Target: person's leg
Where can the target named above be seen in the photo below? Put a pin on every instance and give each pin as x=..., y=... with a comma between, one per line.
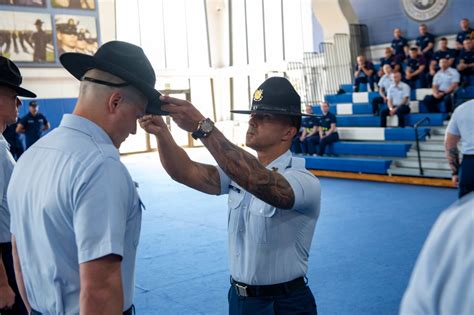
x=295, y=144
x=18, y=308
x=325, y=141
x=448, y=102
x=466, y=176
x=298, y=302
x=402, y=111
x=376, y=102
x=372, y=79
x=383, y=117
x=311, y=143
x=431, y=103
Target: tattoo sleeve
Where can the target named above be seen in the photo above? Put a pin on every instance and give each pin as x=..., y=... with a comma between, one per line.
x=453, y=158
x=243, y=168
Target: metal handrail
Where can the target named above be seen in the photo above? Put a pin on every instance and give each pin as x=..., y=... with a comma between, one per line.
x=417, y=138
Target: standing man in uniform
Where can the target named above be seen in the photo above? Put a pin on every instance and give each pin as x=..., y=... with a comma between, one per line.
x=461, y=129
x=273, y=200
x=425, y=42
x=399, y=45
x=40, y=40
x=77, y=236
x=10, y=81
x=32, y=124
x=398, y=101
x=13, y=139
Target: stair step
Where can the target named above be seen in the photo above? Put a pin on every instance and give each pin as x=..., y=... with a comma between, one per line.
x=431, y=146
x=427, y=154
x=436, y=164
x=438, y=131
x=436, y=138
x=416, y=172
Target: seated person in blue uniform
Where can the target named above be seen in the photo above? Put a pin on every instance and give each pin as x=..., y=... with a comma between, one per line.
x=13, y=139
x=384, y=84
x=308, y=130
x=327, y=130
x=389, y=59
x=466, y=32
x=415, y=70
x=398, y=101
x=32, y=124
x=425, y=42
x=399, y=45
x=364, y=73
x=273, y=202
x=443, y=52
x=466, y=61
x=445, y=83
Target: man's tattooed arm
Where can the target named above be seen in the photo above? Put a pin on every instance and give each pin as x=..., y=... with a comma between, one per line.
x=243, y=168
x=452, y=152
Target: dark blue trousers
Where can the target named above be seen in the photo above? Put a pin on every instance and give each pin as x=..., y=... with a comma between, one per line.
x=298, y=302
x=466, y=175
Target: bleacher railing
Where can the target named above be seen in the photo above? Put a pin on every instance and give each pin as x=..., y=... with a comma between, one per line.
x=417, y=138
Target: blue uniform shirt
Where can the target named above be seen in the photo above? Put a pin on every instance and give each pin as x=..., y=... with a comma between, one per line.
x=415, y=63
x=368, y=65
x=448, y=54
x=6, y=169
x=398, y=46
x=423, y=41
x=388, y=61
x=461, y=125
x=34, y=126
x=325, y=121
x=467, y=56
x=268, y=245
x=397, y=93
x=442, y=280
x=444, y=79
x=308, y=122
x=463, y=34
x=72, y=201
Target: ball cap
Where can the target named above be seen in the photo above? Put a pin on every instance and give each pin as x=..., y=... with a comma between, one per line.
x=275, y=95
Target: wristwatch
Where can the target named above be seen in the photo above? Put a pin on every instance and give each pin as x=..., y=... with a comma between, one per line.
x=205, y=127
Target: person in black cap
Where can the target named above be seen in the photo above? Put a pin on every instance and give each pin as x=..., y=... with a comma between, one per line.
x=33, y=125
x=76, y=214
x=40, y=39
x=273, y=200
x=10, y=81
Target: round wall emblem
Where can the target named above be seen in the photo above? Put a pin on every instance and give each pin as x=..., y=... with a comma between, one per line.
x=423, y=10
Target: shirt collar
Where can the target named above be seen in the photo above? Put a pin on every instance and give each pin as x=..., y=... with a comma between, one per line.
x=2, y=139
x=86, y=126
x=282, y=162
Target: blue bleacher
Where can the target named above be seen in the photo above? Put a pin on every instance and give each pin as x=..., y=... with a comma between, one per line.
x=357, y=165
x=374, y=121
x=369, y=148
x=405, y=134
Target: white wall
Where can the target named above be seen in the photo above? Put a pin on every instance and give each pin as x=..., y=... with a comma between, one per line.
x=57, y=82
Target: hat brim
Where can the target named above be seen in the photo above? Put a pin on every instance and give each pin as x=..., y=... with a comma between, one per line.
x=78, y=64
x=21, y=91
x=268, y=112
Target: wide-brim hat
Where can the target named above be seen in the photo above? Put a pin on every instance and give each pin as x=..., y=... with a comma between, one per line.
x=275, y=95
x=124, y=60
x=10, y=76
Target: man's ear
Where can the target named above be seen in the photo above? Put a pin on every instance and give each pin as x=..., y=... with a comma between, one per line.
x=290, y=132
x=114, y=101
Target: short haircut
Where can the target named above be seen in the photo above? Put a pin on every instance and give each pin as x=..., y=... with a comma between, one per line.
x=465, y=19
x=296, y=122
x=444, y=39
x=414, y=49
x=423, y=25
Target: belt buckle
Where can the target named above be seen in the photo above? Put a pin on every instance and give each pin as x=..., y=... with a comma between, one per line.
x=241, y=289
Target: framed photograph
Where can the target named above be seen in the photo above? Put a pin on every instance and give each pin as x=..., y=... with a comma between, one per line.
x=26, y=3
x=26, y=37
x=76, y=33
x=74, y=4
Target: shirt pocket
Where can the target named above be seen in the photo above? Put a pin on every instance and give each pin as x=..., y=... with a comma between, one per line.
x=236, y=197
x=136, y=219
x=263, y=226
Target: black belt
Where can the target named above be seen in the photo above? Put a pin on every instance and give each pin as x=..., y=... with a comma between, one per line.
x=245, y=290
x=130, y=311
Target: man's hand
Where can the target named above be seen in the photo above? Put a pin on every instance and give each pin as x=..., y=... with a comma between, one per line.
x=153, y=124
x=7, y=297
x=183, y=113
x=455, y=180
x=408, y=75
x=302, y=138
x=393, y=111
x=438, y=95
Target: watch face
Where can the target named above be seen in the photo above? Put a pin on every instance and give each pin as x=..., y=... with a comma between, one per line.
x=207, y=125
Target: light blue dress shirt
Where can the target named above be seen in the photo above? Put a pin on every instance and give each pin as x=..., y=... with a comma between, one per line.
x=397, y=92
x=442, y=282
x=444, y=79
x=386, y=81
x=6, y=168
x=72, y=201
x=268, y=245
x=462, y=125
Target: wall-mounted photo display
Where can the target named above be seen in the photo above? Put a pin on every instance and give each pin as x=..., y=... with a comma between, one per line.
x=27, y=3
x=26, y=37
x=76, y=33
x=74, y=4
